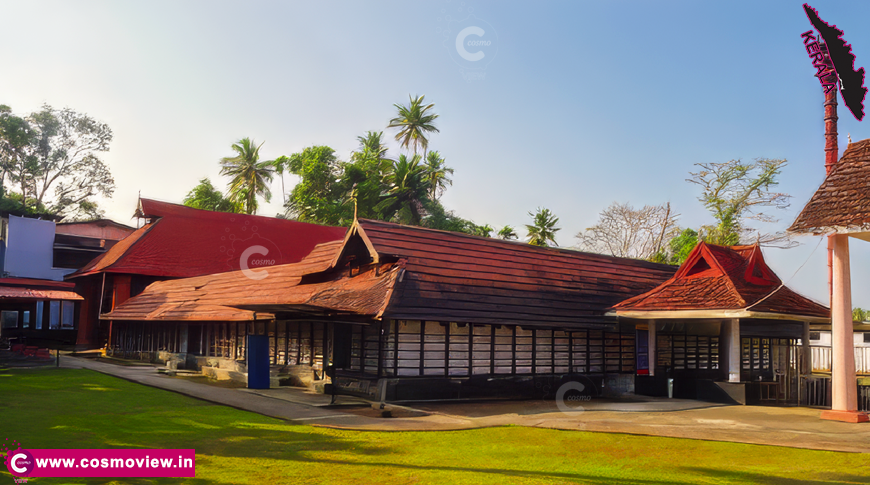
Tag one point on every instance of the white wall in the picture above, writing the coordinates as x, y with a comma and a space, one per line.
825, 340
29, 250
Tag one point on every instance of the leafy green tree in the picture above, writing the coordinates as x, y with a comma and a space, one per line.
437, 174
15, 137
406, 189
543, 230
484, 230
679, 248
206, 196
414, 122
319, 197
365, 176
735, 191
860, 315
249, 177
52, 157
508, 233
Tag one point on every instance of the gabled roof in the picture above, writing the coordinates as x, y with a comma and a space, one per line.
225, 296
722, 282
180, 241
457, 277
842, 202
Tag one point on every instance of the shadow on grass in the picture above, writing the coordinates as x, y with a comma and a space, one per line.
731, 476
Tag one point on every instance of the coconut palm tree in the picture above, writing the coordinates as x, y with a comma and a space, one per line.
543, 231
249, 176
508, 233
281, 165
437, 174
414, 121
405, 192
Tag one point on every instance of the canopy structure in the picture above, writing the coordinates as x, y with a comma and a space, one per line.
32, 289
841, 205
841, 208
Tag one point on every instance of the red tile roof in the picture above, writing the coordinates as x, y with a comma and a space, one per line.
416, 273
842, 203
35, 289
724, 278
224, 297
180, 241
456, 277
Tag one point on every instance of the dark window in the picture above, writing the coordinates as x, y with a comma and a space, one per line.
866, 337
53, 315
39, 315
818, 335
26, 319
69, 314
9, 318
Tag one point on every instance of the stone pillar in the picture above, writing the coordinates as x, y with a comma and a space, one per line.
652, 346
844, 384
729, 349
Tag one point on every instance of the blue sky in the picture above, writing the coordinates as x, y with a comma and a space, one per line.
581, 103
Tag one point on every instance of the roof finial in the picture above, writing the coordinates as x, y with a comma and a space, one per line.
353, 196
849, 136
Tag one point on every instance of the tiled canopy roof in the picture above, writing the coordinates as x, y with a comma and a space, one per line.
34, 289
842, 203
719, 280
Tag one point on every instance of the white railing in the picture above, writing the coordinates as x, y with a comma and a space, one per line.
821, 358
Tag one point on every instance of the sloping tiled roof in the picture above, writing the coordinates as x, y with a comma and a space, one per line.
180, 241
842, 203
35, 289
416, 273
224, 297
724, 278
456, 277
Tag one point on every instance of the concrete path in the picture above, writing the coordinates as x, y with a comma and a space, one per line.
794, 427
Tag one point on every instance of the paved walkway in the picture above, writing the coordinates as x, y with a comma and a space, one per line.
794, 427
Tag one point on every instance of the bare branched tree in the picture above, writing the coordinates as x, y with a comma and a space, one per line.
627, 232
734, 192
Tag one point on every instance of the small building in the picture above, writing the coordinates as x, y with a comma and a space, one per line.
37, 307
725, 327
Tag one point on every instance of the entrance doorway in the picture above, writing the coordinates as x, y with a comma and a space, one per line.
772, 367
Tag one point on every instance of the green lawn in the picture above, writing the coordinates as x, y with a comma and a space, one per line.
60, 408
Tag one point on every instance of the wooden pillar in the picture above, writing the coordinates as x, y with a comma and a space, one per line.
729, 349
651, 345
806, 353
844, 384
